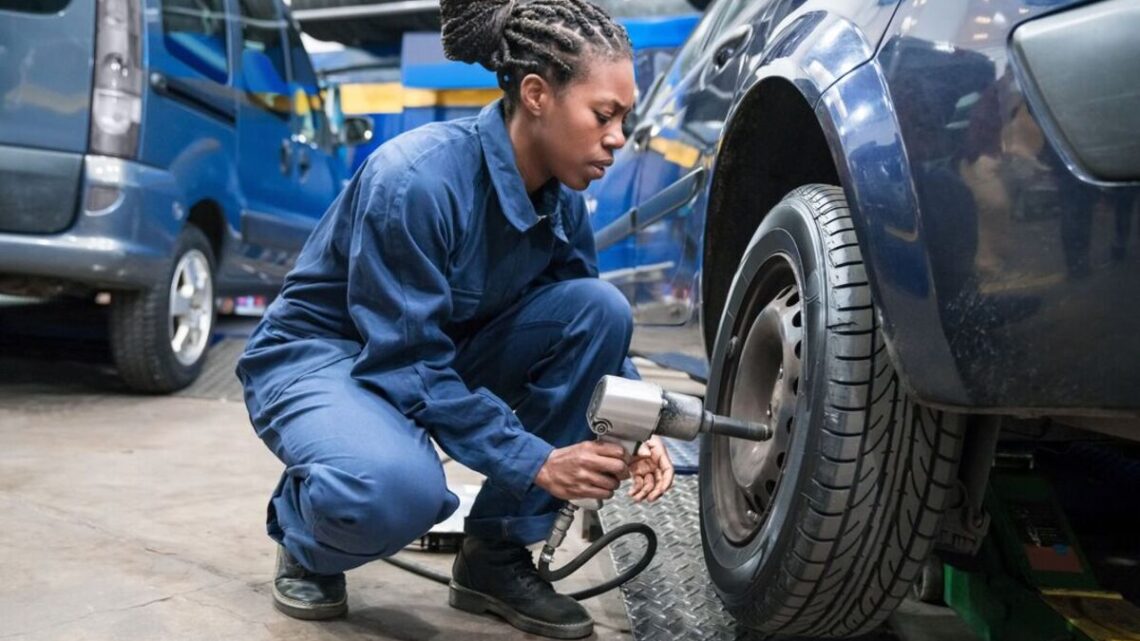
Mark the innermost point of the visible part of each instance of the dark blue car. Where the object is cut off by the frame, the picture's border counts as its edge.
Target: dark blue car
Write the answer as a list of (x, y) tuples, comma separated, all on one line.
[(885, 228), (165, 151)]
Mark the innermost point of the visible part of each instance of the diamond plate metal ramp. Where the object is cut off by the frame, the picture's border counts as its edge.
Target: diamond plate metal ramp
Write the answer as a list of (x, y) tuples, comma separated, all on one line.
[(685, 455), (217, 380), (673, 599)]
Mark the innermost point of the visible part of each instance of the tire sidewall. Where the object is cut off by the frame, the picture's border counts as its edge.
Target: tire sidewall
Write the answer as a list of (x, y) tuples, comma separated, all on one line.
[(789, 229)]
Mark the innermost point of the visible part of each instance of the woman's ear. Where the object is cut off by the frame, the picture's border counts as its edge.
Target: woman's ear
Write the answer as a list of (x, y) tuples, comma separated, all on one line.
[(534, 94)]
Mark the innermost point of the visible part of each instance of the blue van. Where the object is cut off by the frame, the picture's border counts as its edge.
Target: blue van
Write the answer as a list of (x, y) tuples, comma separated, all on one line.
[(167, 152)]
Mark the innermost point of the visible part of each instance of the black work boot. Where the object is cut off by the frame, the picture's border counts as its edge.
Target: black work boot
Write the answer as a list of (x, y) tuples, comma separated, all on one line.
[(499, 577), (304, 595)]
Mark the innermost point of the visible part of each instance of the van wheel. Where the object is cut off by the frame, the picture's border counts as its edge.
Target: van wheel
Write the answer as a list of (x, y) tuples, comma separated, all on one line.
[(159, 335), (820, 531)]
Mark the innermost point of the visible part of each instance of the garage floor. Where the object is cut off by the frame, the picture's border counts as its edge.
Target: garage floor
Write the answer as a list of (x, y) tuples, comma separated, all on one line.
[(132, 517), (138, 517)]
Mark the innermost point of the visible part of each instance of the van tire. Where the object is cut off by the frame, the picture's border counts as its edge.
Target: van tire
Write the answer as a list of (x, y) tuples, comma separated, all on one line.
[(142, 321), (836, 530)]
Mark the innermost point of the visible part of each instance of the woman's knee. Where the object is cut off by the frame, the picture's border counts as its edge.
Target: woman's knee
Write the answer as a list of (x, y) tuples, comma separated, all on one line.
[(601, 304), (378, 507)]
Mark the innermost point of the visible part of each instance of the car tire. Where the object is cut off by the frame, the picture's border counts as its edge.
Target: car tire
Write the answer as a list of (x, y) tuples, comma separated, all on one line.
[(160, 335), (821, 531)]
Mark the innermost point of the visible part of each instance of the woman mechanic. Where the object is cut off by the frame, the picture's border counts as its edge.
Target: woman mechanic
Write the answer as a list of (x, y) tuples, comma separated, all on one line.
[(451, 292)]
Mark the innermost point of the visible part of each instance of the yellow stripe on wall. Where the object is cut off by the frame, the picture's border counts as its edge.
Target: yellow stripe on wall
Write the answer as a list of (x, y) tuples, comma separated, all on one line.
[(372, 98), (393, 98)]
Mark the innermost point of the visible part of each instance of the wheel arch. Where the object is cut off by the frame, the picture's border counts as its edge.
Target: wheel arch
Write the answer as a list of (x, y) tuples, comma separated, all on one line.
[(207, 215), (787, 132), (774, 143)]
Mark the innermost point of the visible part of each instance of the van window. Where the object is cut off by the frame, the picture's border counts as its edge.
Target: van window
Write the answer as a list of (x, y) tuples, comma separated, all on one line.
[(264, 69), (34, 6), (195, 33)]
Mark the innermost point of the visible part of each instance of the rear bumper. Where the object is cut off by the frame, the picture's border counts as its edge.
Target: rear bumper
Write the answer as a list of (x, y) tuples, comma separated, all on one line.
[(128, 220)]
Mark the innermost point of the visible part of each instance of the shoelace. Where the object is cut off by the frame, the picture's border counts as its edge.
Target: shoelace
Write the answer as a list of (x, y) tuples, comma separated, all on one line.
[(525, 571)]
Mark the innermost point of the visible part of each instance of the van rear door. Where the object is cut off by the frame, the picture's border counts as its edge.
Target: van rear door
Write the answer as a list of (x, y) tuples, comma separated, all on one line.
[(46, 51)]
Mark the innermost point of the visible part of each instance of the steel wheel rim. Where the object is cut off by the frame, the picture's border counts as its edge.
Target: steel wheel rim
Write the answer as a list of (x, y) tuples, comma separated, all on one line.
[(764, 386), (191, 307)]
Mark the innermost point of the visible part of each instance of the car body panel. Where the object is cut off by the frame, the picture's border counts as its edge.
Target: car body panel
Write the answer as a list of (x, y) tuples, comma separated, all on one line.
[(204, 150), (658, 266), (1029, 285), (123, 245), (45, 77), (993, 261), (45, 98)]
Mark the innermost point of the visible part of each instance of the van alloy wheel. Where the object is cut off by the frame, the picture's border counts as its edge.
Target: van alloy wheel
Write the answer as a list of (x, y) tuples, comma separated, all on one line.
[(160, 335), (191, 307)]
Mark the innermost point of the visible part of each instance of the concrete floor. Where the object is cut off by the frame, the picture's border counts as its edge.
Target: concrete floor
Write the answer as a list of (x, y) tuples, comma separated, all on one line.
[(132, 517)]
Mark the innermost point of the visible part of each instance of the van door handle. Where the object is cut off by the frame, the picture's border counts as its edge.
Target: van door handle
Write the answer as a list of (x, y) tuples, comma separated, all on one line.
[(286, 155), (303, 163)]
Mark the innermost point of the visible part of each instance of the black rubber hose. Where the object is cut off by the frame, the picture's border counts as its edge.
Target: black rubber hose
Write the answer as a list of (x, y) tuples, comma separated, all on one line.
[(572, 566), (609, 537), (418, 570)]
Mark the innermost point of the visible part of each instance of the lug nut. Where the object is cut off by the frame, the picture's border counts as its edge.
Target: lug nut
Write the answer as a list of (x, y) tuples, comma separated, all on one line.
[(733, 347)]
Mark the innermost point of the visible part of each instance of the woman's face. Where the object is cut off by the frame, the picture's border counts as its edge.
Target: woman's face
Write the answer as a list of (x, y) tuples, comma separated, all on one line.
[(583, 127)]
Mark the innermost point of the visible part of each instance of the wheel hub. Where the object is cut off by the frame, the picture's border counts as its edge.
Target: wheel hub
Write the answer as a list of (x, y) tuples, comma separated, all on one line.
[(764, 389), (191, 307)]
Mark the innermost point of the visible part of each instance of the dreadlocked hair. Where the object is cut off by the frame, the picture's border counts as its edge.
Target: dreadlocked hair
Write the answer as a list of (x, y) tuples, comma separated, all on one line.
[(513, 38)]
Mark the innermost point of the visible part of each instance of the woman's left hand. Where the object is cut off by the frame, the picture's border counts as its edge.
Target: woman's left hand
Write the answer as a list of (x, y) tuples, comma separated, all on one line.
[(651, 471)]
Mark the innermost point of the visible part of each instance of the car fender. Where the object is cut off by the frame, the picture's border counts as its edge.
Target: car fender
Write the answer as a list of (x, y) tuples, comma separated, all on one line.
[(860, 124), (829, 58)]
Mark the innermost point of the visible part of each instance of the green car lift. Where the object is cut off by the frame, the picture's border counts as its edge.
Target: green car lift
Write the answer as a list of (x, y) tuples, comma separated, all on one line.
[(1032, 581)]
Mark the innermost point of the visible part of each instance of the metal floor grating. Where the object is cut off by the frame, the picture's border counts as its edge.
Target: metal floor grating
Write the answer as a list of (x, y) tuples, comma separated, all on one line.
[(217, 380), (673, 599)]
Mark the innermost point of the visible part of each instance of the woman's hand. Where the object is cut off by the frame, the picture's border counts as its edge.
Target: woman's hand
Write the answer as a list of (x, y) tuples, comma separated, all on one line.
[(651, 470), (589, 470)]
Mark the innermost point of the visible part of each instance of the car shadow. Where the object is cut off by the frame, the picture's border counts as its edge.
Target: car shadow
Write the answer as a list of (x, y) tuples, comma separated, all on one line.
[(55, 347)]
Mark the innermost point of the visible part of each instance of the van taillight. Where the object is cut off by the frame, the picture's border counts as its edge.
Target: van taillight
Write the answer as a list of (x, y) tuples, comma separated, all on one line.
[(116, 103)]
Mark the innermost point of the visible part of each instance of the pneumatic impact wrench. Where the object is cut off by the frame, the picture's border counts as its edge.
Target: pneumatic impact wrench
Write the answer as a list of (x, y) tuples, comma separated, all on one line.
[(629, 413)]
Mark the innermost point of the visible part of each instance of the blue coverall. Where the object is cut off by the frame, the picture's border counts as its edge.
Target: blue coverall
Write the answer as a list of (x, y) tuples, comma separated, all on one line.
[(435, 297)]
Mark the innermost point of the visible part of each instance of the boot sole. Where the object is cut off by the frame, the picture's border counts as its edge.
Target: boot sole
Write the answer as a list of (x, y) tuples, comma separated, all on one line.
[(474, 602), (307, 611)]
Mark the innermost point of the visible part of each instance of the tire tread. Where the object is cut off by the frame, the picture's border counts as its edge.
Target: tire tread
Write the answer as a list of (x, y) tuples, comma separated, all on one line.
[(884, 518)]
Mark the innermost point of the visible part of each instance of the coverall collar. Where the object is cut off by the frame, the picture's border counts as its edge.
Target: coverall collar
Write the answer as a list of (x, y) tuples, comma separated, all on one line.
[(500, 156)]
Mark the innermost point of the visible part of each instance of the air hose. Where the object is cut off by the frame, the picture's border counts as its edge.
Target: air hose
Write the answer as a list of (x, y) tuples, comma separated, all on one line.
[(609, 537), (544, 571)]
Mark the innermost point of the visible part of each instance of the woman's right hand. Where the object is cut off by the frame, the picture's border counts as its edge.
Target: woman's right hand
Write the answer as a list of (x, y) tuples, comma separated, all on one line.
[(589, 470)]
